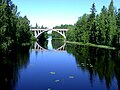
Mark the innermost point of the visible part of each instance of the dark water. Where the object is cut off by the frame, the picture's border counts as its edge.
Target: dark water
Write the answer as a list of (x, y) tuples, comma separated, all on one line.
[(60, 67)]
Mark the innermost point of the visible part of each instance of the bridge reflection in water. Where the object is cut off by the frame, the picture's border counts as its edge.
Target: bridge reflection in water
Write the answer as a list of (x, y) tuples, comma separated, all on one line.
[(38, 47)]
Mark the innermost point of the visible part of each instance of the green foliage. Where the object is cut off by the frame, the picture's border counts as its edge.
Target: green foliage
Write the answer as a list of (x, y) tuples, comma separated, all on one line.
[(56, 35), (38, 27), (103, 28), (118, 27), (92, 25), (81, 31), (70, 35), (23, 33), (112, 23), (14, 29), (56, 43), (66, 26)]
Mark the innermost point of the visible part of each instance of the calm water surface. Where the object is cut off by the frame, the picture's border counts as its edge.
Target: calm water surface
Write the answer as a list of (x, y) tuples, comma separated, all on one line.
[(69, 67)]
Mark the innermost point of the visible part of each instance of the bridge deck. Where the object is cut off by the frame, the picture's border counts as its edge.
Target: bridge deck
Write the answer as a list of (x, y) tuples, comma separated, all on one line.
[(49, 29)]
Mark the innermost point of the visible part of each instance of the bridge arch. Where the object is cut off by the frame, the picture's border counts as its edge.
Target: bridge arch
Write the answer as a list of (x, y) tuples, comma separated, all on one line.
[(51, 30), (39, 32), (38, 47)]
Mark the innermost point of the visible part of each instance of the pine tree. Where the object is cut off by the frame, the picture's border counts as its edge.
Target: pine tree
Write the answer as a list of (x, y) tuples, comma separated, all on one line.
[(103, 26), (118, 26), (83, 29), (91, 24), (111, 23), (98, 32), (78, 32), (36, 26)]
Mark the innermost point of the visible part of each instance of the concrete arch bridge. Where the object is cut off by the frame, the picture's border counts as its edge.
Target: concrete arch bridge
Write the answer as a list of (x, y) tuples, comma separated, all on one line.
[(38, 32)]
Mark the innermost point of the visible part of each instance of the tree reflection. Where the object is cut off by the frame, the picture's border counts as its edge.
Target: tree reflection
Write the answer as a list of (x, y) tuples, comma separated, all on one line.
[(99, 62), (57, 43), (10, 65), (43, 44)]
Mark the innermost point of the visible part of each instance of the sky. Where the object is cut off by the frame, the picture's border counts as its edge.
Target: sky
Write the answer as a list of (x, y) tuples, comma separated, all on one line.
[(50, 13)]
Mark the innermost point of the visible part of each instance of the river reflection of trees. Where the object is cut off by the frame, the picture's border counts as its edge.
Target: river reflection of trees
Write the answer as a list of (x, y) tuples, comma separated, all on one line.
[(43, 44), (10, 65), (56, 43), (99, 62)]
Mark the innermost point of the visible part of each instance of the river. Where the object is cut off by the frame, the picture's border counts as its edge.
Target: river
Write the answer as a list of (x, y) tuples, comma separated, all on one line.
[(54, 65)]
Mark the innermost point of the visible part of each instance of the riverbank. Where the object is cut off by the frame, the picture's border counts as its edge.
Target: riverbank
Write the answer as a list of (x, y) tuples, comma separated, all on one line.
[(58, 38), (92, 45)]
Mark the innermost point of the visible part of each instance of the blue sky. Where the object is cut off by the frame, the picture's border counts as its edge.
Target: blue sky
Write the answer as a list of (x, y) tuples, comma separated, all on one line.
[(56, 12)]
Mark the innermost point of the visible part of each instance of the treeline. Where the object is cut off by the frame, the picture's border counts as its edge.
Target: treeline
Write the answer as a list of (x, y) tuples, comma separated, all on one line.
[(66, 26), (38, 27), (103, 28), (14, 29), (57, 35)]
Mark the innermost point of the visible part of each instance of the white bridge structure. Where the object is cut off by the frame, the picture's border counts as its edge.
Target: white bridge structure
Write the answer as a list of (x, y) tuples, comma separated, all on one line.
[(37, 47), (38, 32)]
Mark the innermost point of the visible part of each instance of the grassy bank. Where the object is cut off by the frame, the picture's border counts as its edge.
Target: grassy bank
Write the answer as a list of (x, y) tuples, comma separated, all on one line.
[(92, 45), (58, 38)]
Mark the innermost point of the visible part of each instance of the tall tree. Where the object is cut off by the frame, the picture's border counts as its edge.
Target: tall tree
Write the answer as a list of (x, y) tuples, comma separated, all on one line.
[(8, 20), (98, 32), (82, 33), (112, 24), (91, 24), (36, 26), (103, 25), (70, 35), (23, 29), (10, 26), (78, 32), (42, 27), (118, 26)]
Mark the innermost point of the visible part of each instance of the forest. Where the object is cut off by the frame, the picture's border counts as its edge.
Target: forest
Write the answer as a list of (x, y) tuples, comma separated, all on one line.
[(14, 29), (100, 29)]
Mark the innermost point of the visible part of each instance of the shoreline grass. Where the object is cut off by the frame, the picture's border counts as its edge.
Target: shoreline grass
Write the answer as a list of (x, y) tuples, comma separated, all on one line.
[(90, 44), (58, 38)]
